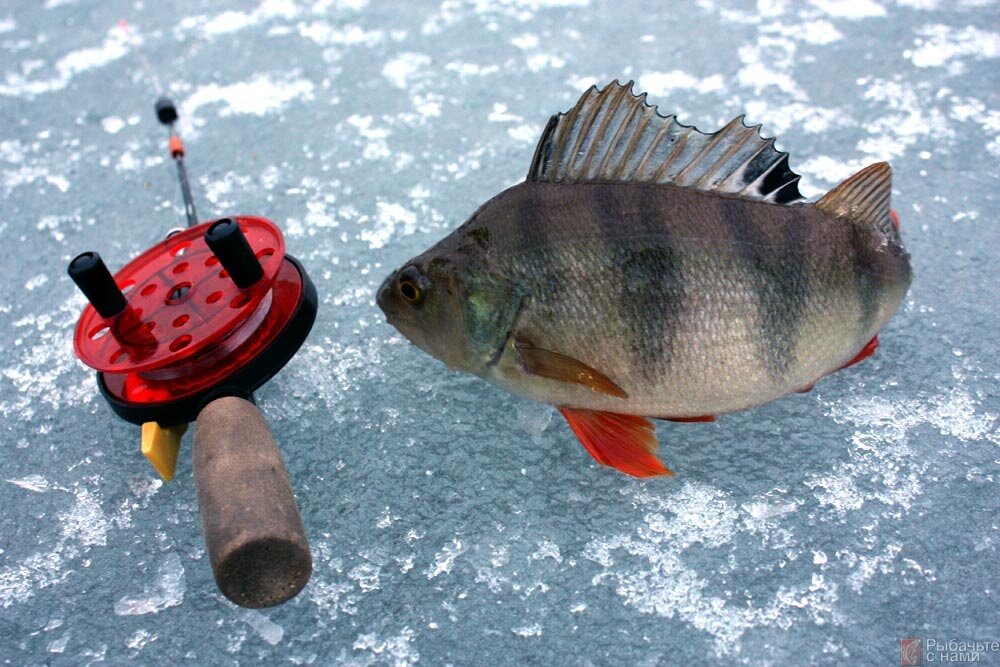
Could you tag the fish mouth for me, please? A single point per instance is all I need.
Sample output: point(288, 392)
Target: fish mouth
point(390, 307)
point(382, 296)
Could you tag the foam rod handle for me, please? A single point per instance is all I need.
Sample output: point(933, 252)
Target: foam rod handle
point(254, 534)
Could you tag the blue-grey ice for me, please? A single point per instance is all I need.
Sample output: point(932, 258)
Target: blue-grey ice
point(452, 523)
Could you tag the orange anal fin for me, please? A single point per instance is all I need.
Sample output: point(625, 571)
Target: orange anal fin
point(867, 351)
point(895, 217)
point(806, 389)
point(690, 420)
point(624, 442)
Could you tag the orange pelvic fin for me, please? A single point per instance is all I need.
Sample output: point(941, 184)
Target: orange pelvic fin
point(867, 351)
point(624, 442)
point(895, 217)
point(555, 366)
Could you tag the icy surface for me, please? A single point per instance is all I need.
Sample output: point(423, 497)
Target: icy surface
point(450, 522)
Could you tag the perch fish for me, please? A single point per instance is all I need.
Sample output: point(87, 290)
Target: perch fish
point(646, 270)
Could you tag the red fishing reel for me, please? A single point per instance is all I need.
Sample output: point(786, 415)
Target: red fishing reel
point(214, 309)
point(186, 332)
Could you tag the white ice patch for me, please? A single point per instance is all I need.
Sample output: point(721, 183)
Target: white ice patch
point(267, 629)
point(232, 21)
point(391, 220)
point(35, 282)
point(112, 124)
point(816, 32)
point(826, 168)
point(910, 116)
point(655, 577)
point(35, 483)
point(85, 521)
point(28, 174)
point(324, 34)
point(537, 62)
point(394, 650)
point(661, 84)
point(400, 70)
point(770, 63)
point(940, 45)
point(500, 114)
point(165, 591)
point(73, 63)
point(527, 132)
point(528, 631)
point(259, 96)
point(850, 9)
point(444, 560)
point(807, 118)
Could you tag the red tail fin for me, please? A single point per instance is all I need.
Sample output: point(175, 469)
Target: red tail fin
point(624, 442)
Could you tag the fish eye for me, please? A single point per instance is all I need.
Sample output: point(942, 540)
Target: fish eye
point(412, 285)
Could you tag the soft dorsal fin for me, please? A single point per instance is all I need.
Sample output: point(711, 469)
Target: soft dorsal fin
point(613, 135)
point(864, 197)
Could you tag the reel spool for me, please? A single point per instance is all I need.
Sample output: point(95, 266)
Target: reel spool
point(186, 332)
point(186, 328)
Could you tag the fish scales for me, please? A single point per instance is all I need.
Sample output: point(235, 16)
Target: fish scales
point(697, 300)
point(646, 269)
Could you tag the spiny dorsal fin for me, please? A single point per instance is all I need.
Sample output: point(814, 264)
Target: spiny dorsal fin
point(613, 135)
point(864, 197)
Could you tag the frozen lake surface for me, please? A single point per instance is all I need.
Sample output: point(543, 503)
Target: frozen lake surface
point(451, 522)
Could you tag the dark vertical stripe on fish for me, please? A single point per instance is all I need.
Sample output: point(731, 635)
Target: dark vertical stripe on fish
point(650, 285)
point(779, 284)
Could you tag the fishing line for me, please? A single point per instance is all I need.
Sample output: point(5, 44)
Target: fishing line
point(166, 112)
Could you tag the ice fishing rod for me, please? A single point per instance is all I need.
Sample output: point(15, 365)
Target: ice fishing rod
point(186, 332)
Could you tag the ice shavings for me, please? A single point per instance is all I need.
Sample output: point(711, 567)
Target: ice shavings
point(909, 115)
point(35, 483)
point(391, 220)
point(27, 174)
point(528, 631)
point(826, 168)
point(261, 95)
point(395, 650)
point(85, 521)
point(444, 560)
point(941, 45)
point(267, 629)
point(47, 372)
point(164, 591)
point(325, 34)
point(850, 9)
point(663, 83)
point(83, 524)
point(655, 578)
point(375, 145)
point(66, 68)
point(403, 68)
point(231, 21)
point(769, 65)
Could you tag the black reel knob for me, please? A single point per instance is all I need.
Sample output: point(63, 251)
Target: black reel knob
point(230, 245)
point(91, 275)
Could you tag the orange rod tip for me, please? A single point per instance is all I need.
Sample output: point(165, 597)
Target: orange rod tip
point(176, 146)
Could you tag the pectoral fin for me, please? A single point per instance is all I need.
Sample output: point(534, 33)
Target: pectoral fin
point(555, 366)
point(624, 442)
